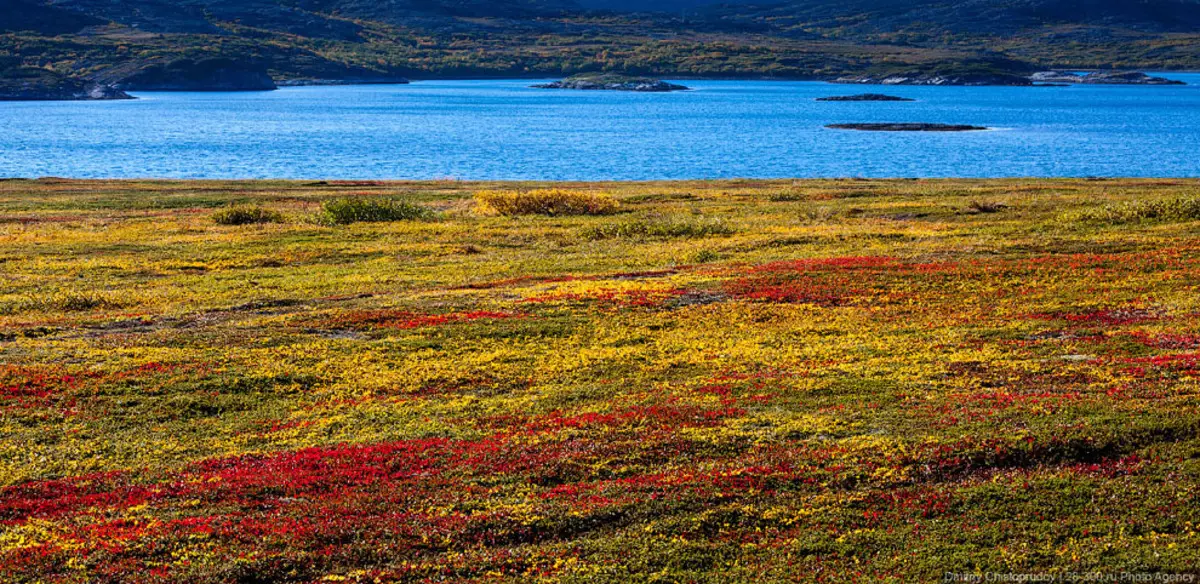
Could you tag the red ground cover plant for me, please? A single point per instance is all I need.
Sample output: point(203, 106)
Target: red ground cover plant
point(829, 397)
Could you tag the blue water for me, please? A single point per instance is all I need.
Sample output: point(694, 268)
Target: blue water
point(505, 130)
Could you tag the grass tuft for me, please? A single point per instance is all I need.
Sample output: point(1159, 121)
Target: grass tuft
point(61, 302)
point(704, 256)
point(986, 207)
point(1179, 209)
point(355, 210)
point(247, 216)
point(659, 228)
point(545, 202)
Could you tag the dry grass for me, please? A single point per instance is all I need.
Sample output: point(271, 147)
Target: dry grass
point(545, 202)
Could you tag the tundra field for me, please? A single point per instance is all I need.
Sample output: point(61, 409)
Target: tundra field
point(739, 381)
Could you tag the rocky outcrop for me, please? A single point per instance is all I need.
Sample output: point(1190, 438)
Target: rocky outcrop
point(28, 84)
point(348, 81)
point(608, 82)
point(907, 127)
point(865, 97)
point(936, 79)
point(217, 74)
point(1100, 78)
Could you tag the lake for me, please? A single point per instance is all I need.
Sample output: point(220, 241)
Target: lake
point(502, 129)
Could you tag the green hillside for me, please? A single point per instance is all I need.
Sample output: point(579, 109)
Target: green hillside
point(358, 40)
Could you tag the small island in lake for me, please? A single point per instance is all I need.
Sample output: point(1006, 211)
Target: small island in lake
point(613, 82)
point(865, 97)
point(907, 127)
point(1100, 78)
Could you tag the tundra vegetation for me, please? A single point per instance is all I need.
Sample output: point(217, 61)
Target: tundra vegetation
point(247, 215)
point(545, 202)
point(739, 381)
point(347, 210)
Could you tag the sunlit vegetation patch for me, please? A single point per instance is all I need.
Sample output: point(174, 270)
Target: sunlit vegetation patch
point(63, 301)
point(880, 385)
point(986, 207)
point(545, 202)
point(808, 193)
point(247, 215)
point(704, 256)
point(349, 210)
point(661, 227)
point(1178, 209)
point(403, 319)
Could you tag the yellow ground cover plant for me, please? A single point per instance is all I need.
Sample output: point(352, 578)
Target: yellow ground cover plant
point(545, 202)
point(827, 381)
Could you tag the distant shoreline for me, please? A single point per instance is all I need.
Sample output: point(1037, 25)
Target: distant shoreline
point(411, 80)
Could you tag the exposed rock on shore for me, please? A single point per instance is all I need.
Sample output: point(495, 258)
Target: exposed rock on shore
point(933, 79)
point(216, 74)
point(348, 81)
point(907, 127)
point(610, 82)
point(865, 97)
point(30, 84)
point(1101, 78)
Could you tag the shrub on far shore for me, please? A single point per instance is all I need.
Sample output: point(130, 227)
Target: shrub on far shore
point(358, 210)
point(545, 202)
point(247, 216)
point(1180, 209)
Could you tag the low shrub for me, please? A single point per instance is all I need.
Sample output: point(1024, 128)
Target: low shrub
point(247, 216)
point(358, 210)
point(788, 197)
point(1179, 209)
point(792, 195)
point(704, 256)
point(61, 302)
point(986, 207)
point(659, 227)
point(545, 202)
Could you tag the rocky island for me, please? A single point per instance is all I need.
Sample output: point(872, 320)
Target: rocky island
point(865, 97)
point(1100, 78)
point(1001, 72)
point(613, 82)
point(907, 127)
